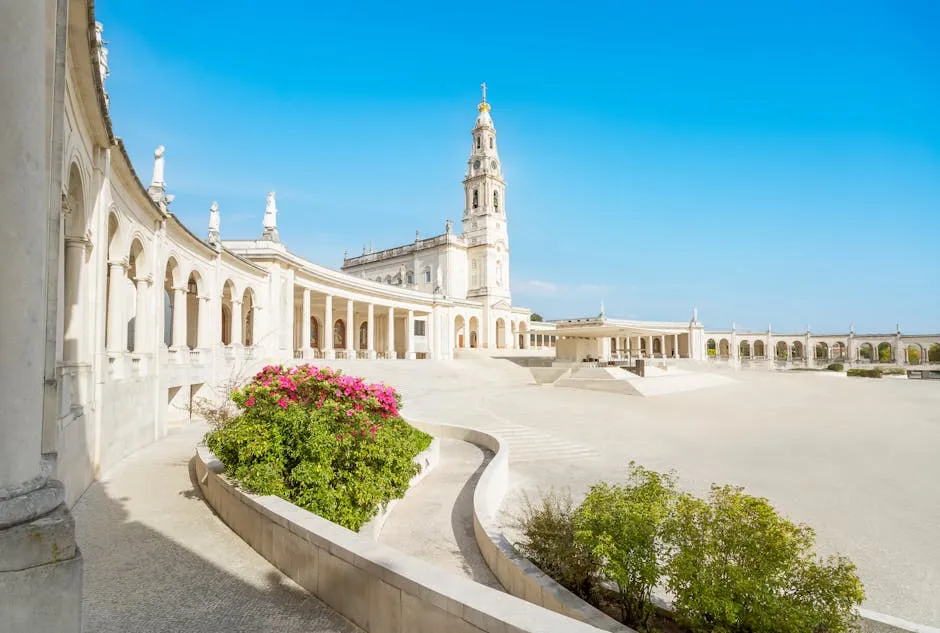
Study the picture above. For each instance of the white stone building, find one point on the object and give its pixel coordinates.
(469, 269)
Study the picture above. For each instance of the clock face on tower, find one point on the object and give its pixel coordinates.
(494, 164)
(476, 164)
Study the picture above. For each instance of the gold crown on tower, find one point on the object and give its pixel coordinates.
(483, 104)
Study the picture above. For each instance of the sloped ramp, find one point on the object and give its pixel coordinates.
(548, 375)
(661, 382)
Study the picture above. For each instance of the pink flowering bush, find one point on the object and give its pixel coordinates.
(333, 444)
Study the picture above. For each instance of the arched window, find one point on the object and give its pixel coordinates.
(478, 142)
(427, 275)
(496, 200)
(339, 334)
(410, 278)
(491, 142)
(314, 333)
(476, 199)
(364, 335)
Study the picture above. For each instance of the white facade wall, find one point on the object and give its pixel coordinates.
(136, 344)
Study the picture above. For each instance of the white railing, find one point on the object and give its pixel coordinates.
(228, 352)
(249, 353)
(362, 354)
(195, 356)
(342, 354)
(298, 353)
(137, 367)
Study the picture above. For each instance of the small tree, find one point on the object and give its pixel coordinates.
(933, 354)
(548, 540)
(623, 527)
(536, 317)
(739, 567)
(913, 355)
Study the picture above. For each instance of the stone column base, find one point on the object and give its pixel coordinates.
(392, 355)
(410, 356)
(44, 598)
(40, 565)
(371, 354)
(329, 354)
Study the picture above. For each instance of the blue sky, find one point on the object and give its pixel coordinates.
(767, 162)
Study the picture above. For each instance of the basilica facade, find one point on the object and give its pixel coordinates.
(470, 269)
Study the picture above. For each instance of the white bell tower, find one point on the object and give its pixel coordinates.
(484, 216)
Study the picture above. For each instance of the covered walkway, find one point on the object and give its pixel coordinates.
(157, 559)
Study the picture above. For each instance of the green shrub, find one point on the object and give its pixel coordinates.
(865, 373)
(548, 540)
(327, 442)
(623, 527)
(739, 567)
(835, 367)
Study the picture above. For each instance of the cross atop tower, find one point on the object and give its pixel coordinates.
(483, 87)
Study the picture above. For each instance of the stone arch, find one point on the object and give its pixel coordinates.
(885, 352)
(523, 334)
(171, 281)
(796, 350)
(137, 284)
(314, 332)
(744, 348)
(460, 333)
(914, 354)
(500, 332)
(73, 267)
(194, 290)
(724, 348)
(866, 351)
(711, 347)
(116, 274)
(248, 317)
(822, 350)
(474, 338)
(227, 308)
(339, 334)
(781, 351)
(760, 349)
(933, 353)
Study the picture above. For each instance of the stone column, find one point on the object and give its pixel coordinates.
(116, 334)
(40, 567)
(179, 319)
(350, 329)
(370, 330)
(410, 336)
(140, 314)
(675, 346)
(305, 325)
(236, 322)
(73, 335)
(662, 345)
(390, 339)
(649, 346)
(326, 344)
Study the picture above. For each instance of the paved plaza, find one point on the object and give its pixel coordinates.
(854, 458)
(158, 560)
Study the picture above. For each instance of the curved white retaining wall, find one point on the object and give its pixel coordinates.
(375, 586)
(515, 573)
